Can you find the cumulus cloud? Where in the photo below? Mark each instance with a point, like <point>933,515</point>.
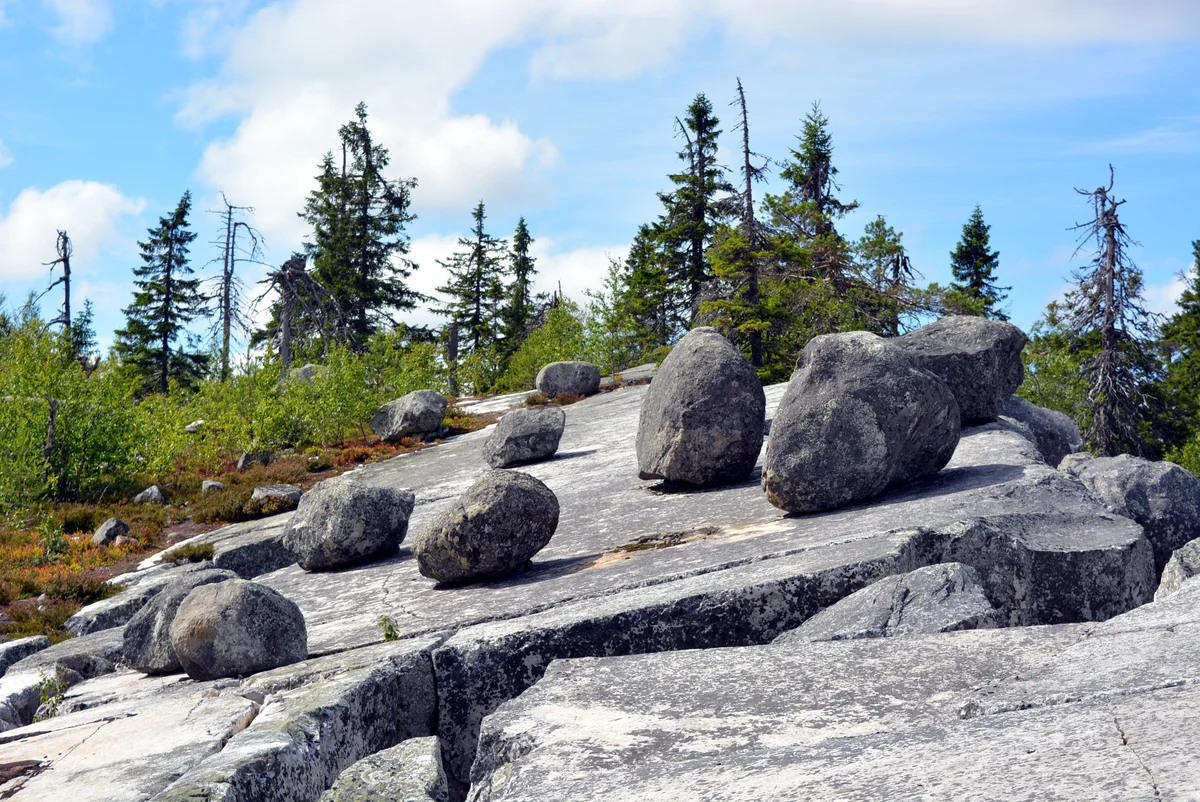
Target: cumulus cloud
<point>1163,297</point>
<point>80,22</point>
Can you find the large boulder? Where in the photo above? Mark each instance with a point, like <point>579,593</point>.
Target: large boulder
<point>237,627</point>
<point>937,598</point>
<point>1183,565</point>
<point>343,522</point>
<point>16,650</point>
<point>568,378</point>
<point>272,499</point>
<point>525,435</point>
<point>418,413</point>
<point>1161,496</point>
<point>496,527</point>
<point>151,495</point>
<point>408,772</point>
<point>1055,434</point>
<point>109,531</point>
<point>857,417</point>
<point>702,419</point>
<point>979,358</point>
<point>147,644</point>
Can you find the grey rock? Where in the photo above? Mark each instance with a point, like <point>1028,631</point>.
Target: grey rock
<point>306,373</point>
<point>418,413</point>
<point>499,524</point>
<point>237,627</point>
<point>250,548</point>
<point>1055,434</point>
<point>15,650</point>
<point>1072,464</point>
<point>523,436</point>
<point>251,458</point>
<point>194,427</point>
<point>211,486</point>
<point>858,417</point>
<point>109,531</point>
<point>151,495</point>
<point>568,378</point>
<point>937,598</point>
<point>410,771</point>
<point>147,637</point>
<point>116,610</point>
<point>342,522</point>
<point>702,418</point>
<point>83,658</point>
<point>273,499</point>
<point>125,540</point>
<point>979,359</point>
<point>1183,565</point>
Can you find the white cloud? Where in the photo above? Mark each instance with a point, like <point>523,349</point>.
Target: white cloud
<point>80,22</point>
<point>6,157</point>
<point>1163,297</point>
<point>89,211</point>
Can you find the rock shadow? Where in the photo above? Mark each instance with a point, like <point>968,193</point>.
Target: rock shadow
<point>668,488</point>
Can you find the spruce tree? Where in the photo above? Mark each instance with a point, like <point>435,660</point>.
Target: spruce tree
<point>475,285</point>
<point>889,276</point>
<point>1181,333</point>
<point>658,313</point>
<point>164,303</point>
<point>974,290</point>
<point>519,309</point>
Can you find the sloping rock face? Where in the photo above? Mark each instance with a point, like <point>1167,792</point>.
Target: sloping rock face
<point>342,522</point>
<point>568,378</point>
<point>410,771</point>
<point>979,359</point>
<point>1056,434</point>
<point>937,598</point>
<point>147,637</point>
<point>418,413</point>
<point>858,417</point>
<point>1183,565</point>
<point>15,650</point>
<point>523,436</point>
<point>702,418</point>
<point>117,610</point>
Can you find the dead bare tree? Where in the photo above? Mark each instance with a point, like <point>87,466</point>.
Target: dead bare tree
<point>65,249</point>
<point>301,298</point>
<point>231,320</point>
<point>752,230</point>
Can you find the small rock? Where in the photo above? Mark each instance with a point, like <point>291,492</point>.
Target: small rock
<point>525,435</point>
<point>1183,565</point>
<point>702,419</point>
<point>14,650</point>
<point>194,427</point>
<point>417,413</point>
<point>251,458</point>
<point>109,531</point>
<point>1072,464</point>
<point>306,373</point>
<point>147,636</point>
<point>979,358</point>
<point>151,495</point>
<point>125,540</point>
<point>496,527</point>
<point>343,522</point>
<point>568,378</point>
<point>211,486</point>
<point>237,627</point>
<point>1054,433</point>
<point>272,499</point>
<point>411,771</point>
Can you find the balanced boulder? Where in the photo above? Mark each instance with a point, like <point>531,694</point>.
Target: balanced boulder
<point>496,527</point>
<point>343,522</point>
<point>525,435</point>
<point>237,627</point>
<point>418,413</point>
<point>857,417</point>
<point>1055,434</point>
<point>151,495</point>
<point>979,358</point>
<point>702,418</point>
<point>568,378</point>
<point>272,499</point>
<point>1183,565</point>
<point>147,646</point>
<point>109,531</point>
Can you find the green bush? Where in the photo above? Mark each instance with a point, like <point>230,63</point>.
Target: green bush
<point>559,339</point>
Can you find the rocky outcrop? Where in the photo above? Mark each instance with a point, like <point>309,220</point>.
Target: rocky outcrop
<point>979,359</point>
<point>702,419</point>
<point>15,650</point>
<point>237,627</point>
<point>109,531</point>
<point>342,522</point>
<point>416,414</point>
<point>523,436</point>
<point>1072,464</point>
<point>1183,565</point>
<point>937,598</point>
<point>117,610</point>
<point>410,771</point>
<point>147,637</point>
<point>1055,434</point>
<point>271,499</point>
<point>568,378</point>
<point>151,495</point>
<point>858,417</point>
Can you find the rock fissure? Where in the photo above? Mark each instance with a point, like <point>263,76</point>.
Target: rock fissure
<point>1137,757</point>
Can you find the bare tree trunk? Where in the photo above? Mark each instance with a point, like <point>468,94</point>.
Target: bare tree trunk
<point>227,289</point>
<point>749,228</point>
<point>452,358</point>
<point>286,310</point>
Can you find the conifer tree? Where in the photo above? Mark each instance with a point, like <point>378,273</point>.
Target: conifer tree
<point>475,286</point>
<point>889,275</point>
<point>657,312</point>
<point>519,306</point>
<point>164,303</point>
<point>974,290</point>
<point>1181,333</point>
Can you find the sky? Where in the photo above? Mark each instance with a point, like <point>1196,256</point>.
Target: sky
<point>562,111</point>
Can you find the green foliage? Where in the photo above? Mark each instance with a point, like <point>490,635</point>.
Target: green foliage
<point>389,628</point>
<point>610,339</point>
<point>475,288</point>
<point>973,263</point>
<point>1054,368</point>
<point>54,545</point>
<point>1181,335</point>
<point>560,338</point>
<point>52,688</point>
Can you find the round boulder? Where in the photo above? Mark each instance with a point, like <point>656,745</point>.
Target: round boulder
<point>147,636</point>
<point>236,627</point>
<point>343,522</point>
<point>525,435</point>
<point>109,531</point>
<point>568,378</point>
<point>496,527</point>
<point>418,413</point>
<point>702,417</point>
<point>857,417</point>
<point>979,358</point>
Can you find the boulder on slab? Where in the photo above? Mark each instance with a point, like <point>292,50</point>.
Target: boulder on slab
<point>979,358</point>
<point>1054,433</point>
<point>147,636</point>
<point>857,417</point>
<point>109,531</point>
<point>237,627</point>
<point>1072,464</point>
<point>251,458</point>
<point>14,650</point>
<point>496,527</point>
<point>151,495</point>
<point>270,499</point>
<point>418,413</point>
<point>525,435</point>
<point>568,378</point>
<point>702,419</point>
<point>937,598</point>
<point>211,486</point>
<point>342,522</point>
<point>1183,565</point>
<point>410,771</point>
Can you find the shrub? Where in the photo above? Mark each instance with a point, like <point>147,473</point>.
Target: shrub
<point>189,553</point>
<point>559,339</point>
<point>80,519</point>
<point>537,399</point>
<point>81,589</point>
<point>223,506</point>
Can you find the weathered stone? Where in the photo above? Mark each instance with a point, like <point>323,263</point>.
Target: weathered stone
<point>237,627</point>
<point>1183,565</point>
<point>858,417</point>
<point>499,524</point>
<point>1072,464</point>
<point>979,359</point>
<point>125,540</point>
<point>151,495</point>
<point>568,378</point>
<point>702,418</point>
<point>523,436</point>
<point>147,637</point>
<point>109,531</point>
<point>194,427</point>
<point>417,413</point>
<point>270,499</point>
<point>15,650</point>
<point>410,771</point>
<point>117,610</point>
<point>937,598</point>
<point>73,660</point>
<point>342,522</point>
<point>211,486</point>
<point>249,459</point>
<point>249,549</point>
<point>1055,434</point>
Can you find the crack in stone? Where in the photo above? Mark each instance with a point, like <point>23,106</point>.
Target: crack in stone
<point>1142,763</point>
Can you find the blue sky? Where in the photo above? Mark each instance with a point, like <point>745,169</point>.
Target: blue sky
<point>562,112</point>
